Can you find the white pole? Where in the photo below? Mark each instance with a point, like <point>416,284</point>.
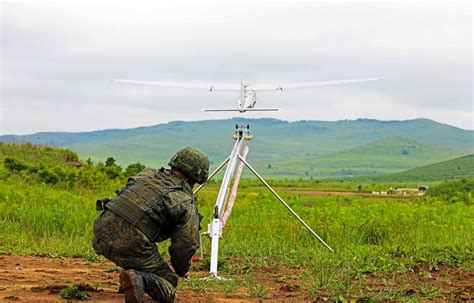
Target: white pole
<point>215,234</point>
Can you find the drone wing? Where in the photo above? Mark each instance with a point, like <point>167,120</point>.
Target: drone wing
<point>267,87</point>
<point>196,86</point>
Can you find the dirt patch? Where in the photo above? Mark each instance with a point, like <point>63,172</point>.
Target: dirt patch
<point>35,279</point>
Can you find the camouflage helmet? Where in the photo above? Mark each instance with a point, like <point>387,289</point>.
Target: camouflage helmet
<point>192,162</point>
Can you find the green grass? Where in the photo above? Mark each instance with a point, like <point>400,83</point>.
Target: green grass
<point>370,236</point>
<point>39,220</point>
<point>255,289</point>
<point>36,213</point>
<point>260,226</point>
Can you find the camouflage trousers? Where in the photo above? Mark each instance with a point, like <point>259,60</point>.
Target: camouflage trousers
<point>129,248</point>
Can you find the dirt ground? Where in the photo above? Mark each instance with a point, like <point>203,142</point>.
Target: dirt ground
<point>39,279</point>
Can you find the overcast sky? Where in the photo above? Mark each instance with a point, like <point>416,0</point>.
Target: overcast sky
<point>58,59</point>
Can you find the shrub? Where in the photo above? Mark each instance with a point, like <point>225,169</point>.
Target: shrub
<point>48,175</point>
<point>74,293</point>
<point>110,161</point>
<point>14,165</point>
<point>134,169</point>
<point>53,174</point>
<point>113,171</point>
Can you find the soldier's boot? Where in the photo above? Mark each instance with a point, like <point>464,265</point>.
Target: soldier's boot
<point>132,286</point>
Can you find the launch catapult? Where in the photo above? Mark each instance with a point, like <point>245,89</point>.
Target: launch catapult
<point>226,197</point>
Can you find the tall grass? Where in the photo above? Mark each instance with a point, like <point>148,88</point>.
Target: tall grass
<point>41,220</point>
<point>260,226</point>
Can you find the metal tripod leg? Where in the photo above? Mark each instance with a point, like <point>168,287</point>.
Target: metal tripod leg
<point>284,203</point>
<point>212,175</point>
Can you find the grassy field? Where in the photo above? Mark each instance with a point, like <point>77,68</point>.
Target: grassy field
<point>373,238</point>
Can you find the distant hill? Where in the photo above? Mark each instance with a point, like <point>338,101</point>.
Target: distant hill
<point>381,156</point>
<point>280,148</point>
<point>458,168</point>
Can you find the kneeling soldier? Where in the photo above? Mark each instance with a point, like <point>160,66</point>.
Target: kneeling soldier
<point>153,206</point>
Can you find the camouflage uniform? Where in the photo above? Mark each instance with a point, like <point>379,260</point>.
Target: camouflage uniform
<point>131,245</point>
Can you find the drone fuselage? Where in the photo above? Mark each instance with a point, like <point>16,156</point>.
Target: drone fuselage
<point>247,99</point>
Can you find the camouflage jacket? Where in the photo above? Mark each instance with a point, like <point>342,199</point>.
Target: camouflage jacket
<point>161,205</point>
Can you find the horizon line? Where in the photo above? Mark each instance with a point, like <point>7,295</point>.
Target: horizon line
<point>231,118</point>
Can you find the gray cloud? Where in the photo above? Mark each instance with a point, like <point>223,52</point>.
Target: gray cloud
<point>57,60</point>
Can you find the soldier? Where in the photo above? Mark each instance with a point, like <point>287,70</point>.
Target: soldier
<point>153,206</point>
